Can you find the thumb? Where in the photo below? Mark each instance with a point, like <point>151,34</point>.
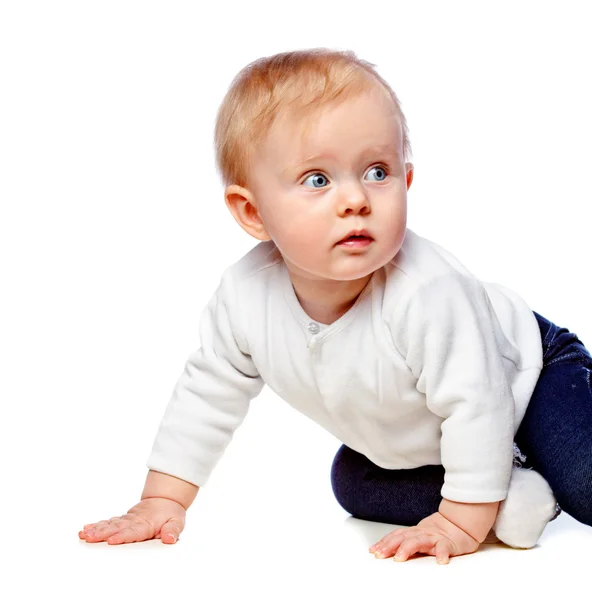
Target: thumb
<point>171,530</point>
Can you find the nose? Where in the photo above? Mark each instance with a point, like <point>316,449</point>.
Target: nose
<point>354,198</point>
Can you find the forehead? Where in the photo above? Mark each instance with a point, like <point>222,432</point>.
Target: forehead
<point>367,121</point>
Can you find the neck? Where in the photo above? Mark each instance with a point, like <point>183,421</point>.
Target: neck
<point>326,301</point>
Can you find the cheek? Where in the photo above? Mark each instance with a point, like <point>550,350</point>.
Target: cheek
<point>301,236</point>
<point>301,232</point>
<point>296,224</point>
<point>400,210</point>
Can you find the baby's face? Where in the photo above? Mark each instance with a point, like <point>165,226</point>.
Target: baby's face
<point>348,173</point>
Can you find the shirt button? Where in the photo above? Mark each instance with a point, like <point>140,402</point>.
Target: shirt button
<point>314,327</point>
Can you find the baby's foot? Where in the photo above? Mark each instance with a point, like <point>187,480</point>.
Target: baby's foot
<point>525,512</point>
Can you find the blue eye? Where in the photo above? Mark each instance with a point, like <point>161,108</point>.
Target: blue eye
<point>380,170</point>
<point>316,178</point>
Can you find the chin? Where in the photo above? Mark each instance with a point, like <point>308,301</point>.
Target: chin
<point>355,275</point>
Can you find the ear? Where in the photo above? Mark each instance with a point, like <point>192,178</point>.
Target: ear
<point>241,204</point>
<point>409,174</point>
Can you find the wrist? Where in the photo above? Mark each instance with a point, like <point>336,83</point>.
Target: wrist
<point>475,520</point>
<point>463,543</point>
<point>161,485</point>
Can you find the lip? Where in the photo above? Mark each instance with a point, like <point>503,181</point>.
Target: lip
<point>356,243</point>
<point>360,232</point>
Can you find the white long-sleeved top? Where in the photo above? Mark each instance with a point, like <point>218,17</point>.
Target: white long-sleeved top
<point>429,366</point>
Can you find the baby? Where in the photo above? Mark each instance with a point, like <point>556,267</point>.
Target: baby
<point>435,382</point>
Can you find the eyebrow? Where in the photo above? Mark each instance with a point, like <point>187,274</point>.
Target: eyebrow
<point>389,149</point>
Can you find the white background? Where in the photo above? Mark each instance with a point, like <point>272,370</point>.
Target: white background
<point>114,233</point>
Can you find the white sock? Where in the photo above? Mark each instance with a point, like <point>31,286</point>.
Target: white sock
<point>527,509</point>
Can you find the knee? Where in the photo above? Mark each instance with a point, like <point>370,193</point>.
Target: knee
<point>347,472</point>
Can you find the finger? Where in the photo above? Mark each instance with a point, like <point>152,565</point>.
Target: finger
<point>387,541</point>
<point>132,532</point>
<point>387,548</point>
<point>409,547</point>
<point>171,530</point>
<point>443,551</point>
<point>387,538</point>
<point>97,535</point>
<point>93,526</point>
<point>101,531</point>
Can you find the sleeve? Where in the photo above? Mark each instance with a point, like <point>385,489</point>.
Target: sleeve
<point>210,399</point>
<point>448,332</point>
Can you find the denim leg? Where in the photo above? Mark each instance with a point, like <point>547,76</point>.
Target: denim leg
<point>556,432</point>
<point>400,497</point>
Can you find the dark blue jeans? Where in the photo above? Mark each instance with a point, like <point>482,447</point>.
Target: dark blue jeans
<point>554,438</point>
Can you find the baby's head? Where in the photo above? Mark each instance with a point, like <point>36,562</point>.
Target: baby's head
<point>311,145</point>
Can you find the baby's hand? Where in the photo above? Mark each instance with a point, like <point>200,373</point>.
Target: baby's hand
<point>150,518</point>
<point>435,535</point>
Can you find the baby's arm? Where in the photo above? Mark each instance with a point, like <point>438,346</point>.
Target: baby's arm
<point>449,334</point>
<point>209,401</point>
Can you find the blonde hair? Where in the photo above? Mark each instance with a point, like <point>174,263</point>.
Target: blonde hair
<point>303,81</point>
